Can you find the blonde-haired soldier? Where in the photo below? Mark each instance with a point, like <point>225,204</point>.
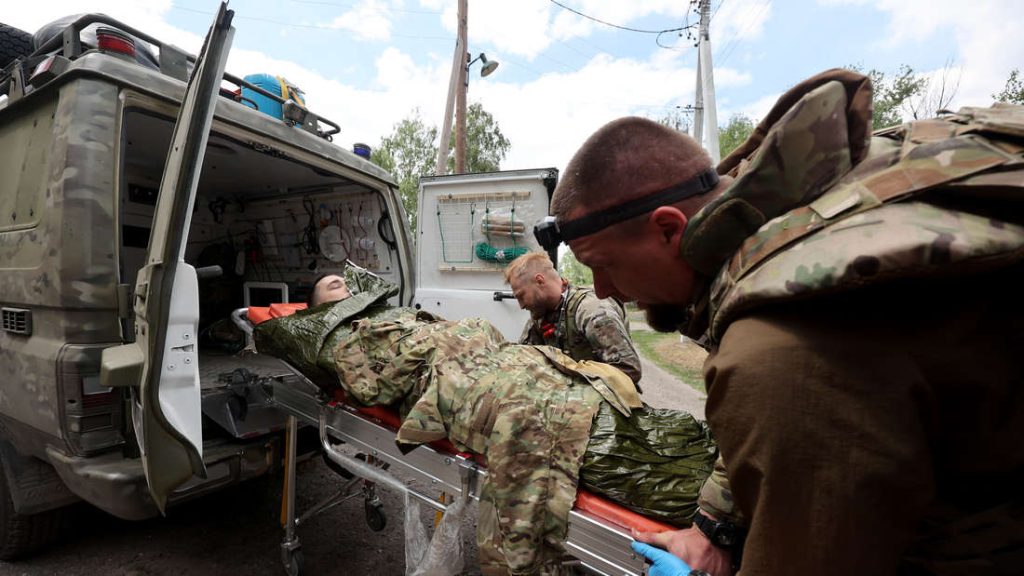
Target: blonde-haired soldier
<point>571,318</point>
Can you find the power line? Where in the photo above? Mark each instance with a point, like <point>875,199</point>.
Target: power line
<point>713,14</point>
<point>626,28</point>
<point>727,50</point>
<point>352,5</point>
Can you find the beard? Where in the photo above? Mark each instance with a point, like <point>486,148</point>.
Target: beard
<point>665,317</point>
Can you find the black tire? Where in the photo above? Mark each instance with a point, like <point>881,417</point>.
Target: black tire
<point>295,563</point>
<point>375,517</point>
<point>20,535</point>
<point>14,43</point>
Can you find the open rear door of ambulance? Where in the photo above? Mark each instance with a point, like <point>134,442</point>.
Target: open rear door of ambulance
<point>469,226</point>
<point>161,367</point>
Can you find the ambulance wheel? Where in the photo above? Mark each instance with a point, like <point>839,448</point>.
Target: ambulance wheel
<point>14,43</point>
<point>375,517</point>
<point>23,534</point>
<point>294,562</point>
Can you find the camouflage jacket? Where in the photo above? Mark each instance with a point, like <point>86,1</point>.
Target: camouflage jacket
<point>589,328</point>
<point>820,206</point>
<point>527,409</point>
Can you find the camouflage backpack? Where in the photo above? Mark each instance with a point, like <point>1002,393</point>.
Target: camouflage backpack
<point>819,205</point>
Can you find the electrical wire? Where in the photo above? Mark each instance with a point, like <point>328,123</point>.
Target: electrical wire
<point>599,21</point>
<point>726,52</point>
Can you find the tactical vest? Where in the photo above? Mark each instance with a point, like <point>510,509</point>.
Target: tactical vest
<point>573,342</point>
<point>816,210</point>
<point>567,337</point>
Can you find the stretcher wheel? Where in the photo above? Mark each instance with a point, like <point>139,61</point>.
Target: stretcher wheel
<point>375,517</point>
<point>294,562</point>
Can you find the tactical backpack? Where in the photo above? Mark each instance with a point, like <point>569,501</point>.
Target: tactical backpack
<point>820,206</point>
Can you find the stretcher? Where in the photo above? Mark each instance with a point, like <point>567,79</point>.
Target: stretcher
<point>598,537</point>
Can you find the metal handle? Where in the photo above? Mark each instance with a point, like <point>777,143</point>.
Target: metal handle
<point>499,296</point>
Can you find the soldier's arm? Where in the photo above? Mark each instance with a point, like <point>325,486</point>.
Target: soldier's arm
<point>817,419</point>
<point>715,498</point>
<point>603,323</point>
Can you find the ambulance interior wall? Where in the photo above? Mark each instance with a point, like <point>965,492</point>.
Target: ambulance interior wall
<point>287,235</point>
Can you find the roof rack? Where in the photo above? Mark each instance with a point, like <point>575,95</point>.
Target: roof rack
<point>172,61</point>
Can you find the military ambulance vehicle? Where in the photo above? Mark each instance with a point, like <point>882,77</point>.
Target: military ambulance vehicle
<point>144,195</point>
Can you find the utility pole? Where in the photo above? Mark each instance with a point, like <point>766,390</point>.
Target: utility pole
<point>698,106</point>
<point>456,85</point>
<point>705,97</point>
<point>460,100</point>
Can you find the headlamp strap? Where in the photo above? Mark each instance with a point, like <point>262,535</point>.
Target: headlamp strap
<point>591,223</point>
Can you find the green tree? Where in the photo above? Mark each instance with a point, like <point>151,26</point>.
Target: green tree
<point>408,153</point>
<point>893,93</point>
<point>574,271</point>
<point>1013,92</point>
<point>486,146</point>
<point>734,133</point>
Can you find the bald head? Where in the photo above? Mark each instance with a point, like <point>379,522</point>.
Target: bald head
<point>625,159</point>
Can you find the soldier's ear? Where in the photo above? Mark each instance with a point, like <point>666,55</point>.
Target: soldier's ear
<point>538,278</point>
<point>669,223</point>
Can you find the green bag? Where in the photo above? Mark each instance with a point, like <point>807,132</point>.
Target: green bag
<point>654,462</point>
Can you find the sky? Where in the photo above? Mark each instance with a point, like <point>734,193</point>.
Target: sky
<point>367,64</point>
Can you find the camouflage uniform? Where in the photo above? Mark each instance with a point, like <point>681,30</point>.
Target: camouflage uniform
<point>589,328</point>
<point>830,379</point>
<point>459,380</point>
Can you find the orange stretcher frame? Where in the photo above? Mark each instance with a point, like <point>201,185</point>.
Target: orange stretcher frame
<point>599,529</point>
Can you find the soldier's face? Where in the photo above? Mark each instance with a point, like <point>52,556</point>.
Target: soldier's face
<point>531,291</point>
<point>639,261</point>
<point>330,289</point>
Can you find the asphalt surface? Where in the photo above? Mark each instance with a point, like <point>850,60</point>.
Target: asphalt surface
<point>237,531</point>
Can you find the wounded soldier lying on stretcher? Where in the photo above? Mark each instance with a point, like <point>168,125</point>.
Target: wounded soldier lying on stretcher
<point>544,422</point>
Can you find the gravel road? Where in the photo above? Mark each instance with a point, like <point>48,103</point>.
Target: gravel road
<point>237,531</point>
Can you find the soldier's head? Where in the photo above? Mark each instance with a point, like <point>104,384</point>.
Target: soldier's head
<point>535,283</point>
<point>637,166</point>
<point>328,288</point>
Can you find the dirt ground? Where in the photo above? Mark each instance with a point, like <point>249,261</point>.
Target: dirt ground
<point>237,532</point>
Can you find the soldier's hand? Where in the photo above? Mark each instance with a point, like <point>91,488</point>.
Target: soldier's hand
<point>693,547</point>
<point>662,563</point>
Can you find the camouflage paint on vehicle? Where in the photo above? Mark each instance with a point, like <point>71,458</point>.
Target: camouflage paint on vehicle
<point>59,258</point>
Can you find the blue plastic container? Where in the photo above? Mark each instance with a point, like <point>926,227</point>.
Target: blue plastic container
<point>264,104</point>
<point>361,150</point>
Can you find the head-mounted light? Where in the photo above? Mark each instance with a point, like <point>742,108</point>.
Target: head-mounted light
<point>549,232</point>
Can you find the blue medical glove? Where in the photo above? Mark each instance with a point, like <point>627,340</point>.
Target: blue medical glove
<point>662,563</point>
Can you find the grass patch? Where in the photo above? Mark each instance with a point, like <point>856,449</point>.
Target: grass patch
<point>683,360</point>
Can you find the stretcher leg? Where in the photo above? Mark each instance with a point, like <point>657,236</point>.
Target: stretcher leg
<point>291,549</point>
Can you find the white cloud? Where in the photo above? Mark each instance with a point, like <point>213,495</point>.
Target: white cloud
<point>988,37</point>
<point>528,28</point>
<point>736,22</point>
<point>547,119</point>
<point>369,20</point>
<point>30,16</point>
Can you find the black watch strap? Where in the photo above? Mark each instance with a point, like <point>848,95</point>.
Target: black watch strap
<point>723,534</point>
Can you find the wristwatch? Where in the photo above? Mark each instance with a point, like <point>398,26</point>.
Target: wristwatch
<point>723,534</point>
